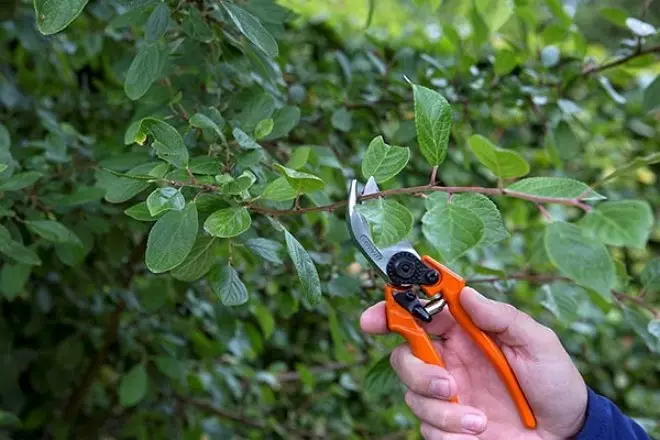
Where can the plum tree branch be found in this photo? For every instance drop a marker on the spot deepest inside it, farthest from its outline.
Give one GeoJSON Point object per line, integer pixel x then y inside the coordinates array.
{"type": "Point", "coordinates": [622, 60]}
{"type": "Point", "coordinates": [533, 278]}
{"type": "Point", "coordinates": [576, 202]}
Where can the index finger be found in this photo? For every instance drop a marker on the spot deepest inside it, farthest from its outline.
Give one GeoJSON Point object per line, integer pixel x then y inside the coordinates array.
{"type": "Point", "coordinates": [373, 321]}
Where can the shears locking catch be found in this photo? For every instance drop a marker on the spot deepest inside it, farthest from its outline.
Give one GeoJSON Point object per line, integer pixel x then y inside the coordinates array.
{"type": "Point", "coordinates": [403, 269]}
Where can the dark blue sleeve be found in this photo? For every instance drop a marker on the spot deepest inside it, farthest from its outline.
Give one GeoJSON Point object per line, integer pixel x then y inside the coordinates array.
{"type": "Point", "coordinates": [605, 421]}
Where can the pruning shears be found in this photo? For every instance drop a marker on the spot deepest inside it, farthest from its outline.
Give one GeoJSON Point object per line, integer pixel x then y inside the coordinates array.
{"type": "Point", "coordinates": [403, 270]}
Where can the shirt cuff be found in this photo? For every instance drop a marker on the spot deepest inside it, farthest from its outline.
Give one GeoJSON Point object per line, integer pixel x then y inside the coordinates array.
{"type": "Point", "coordinates": [597, 420]}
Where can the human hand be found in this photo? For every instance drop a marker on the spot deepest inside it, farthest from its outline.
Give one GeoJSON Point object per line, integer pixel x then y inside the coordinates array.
{"type": "Point", "coordinates": [552, 384]}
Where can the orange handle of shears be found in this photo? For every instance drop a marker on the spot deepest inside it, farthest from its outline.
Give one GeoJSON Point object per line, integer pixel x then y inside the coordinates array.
{"type": "Point", "coordinates": [450, 286]}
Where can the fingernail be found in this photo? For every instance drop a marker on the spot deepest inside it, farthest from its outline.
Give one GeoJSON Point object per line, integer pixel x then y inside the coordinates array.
{"type": "Point", "coordinates": [473, 423]}
{"type": "Point", "coordinates": [440, 388]}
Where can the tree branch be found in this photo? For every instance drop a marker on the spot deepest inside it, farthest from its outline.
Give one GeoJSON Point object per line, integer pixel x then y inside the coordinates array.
{"type": "Point", "coordinates": [619, 296]}
{"type": "Point", "coordinates": [576, 202]}
{"type": "Point", "coordinates": [294, 376]}
{"type": "Point", "coordinates": [221, 412]}
{"type": "Point", "coordinates": [638, 53]}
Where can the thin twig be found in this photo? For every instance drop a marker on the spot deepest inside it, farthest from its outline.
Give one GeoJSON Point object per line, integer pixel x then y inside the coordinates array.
{"type": "Point", "coordinates": [221, 412]}
{"type": "Point", "coordinates": [294, 376]}
{"type": "Point", "coordinates": [619, 296]}
{"type": "Point", "coordinates": [638, 53]}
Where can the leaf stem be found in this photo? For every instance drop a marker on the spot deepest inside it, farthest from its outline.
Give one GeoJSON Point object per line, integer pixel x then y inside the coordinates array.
{"type": "Point", "coordinates": [434, 176]}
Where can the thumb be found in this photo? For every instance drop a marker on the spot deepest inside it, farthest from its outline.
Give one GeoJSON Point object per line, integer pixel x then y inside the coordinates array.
{"type": "Point", "coordinates": [508, 324]}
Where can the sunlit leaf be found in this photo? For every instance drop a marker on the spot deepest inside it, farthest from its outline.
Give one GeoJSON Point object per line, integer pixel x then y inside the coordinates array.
{"type": "Point", "coordinates": [433, 124]}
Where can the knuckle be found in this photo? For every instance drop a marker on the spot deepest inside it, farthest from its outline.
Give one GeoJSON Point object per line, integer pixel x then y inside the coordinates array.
{"type": "Point", "coordinates": [428, 432]}
{"type": "Point", "coordinates": [410, 399]}
{"type": "Point", "coordinates": [395, 358]}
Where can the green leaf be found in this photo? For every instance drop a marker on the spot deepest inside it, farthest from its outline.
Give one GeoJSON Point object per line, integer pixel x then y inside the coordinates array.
{"type": "Point", "coordinates": [650, 276]}
{"type": "Point", "coordinates": [15, 250]}
{"type": "Point", "coordinates": [81, 195]}
{"type": "Point", "coordinates": [279, 190]}
{"type": "Point", "coordinates": [171, 239]}
{"type": "Point", "coordinates": [640, 323]}
{"type": "Point", "coordinates": [562, 301]}
{"type": "Point", "coordinates": [453, 230]}
{"type": "Point", "coordinates": [557, 187]}
{"type": "Point", "coordinates": [198, 262]}
{"type": "Point", "coordinates": [205, 165]}
{"type": "Point", "coordinates": [390, 221]}
{"type": "Point", "coordinates": [284, 120]}
{"type": "Point", "coordinates": [620, 223]}
{"type": "Point", "coordinates": [652, 97]}
{"type": "Point", "coordinates": [383, 161]}
{"type": "Point", "coordinates": [615, 15]}
{"type": "Point", "coordinates": [20, 181]}
{"type": "Point", "coordinates": [53, 16]}
{"type": "Point", "coordinates": [267, 249]}
{"type": "Point", "coordinates": [168, 143]}
{"type": "Point", "coordinates": [299, 157]}
{"type": "Point", "coordinates": [238, 185]}
{"type": "Point", "coordinates": [251, 27]}
{"type": "Point", "coordinates": [580, 258]}
{"type": "Point", "coordinates": [486, 210]}
{"type": "Point", "coordinates": [340, 349]}
{"type": "Point", "coordinates": [170, 367]}
{"type": "Point", "coordinates": [143, 71]}
{"type": "Point", "coordinates": [263, 128]}
{"type": "Point", "coordinates": [640, 28]}
{"type": "Point", "coordinates": [121, 189]}
{"type": "Point", "coordinates": [505, 164]}
{"type": "Point", "coordinates": [52, 231]}
{"type": "Point", "coordinates": [505, 61]}
{"type": "Point", "coordinates": [607, 85]}
{"type": "Point", "coordinates": [200, 120]}
{"type": "Point", "coordinates": [433, 124]}
{"type": "Point", "coordinates": [495, 12]}
{"type": "Point", "coordinates": [307, 274]}
{"type": "Point", "coordinates": [244, 140]}
{"type": "Point", "coordinates": [9, 420]}
{"type": "Point", "coordinates": [228, 286]}
{"type": "Point", "coordinates": [299, 181]}
{"type": "Point", "coordinates": [140, 212]}
{"type": "Point", "coordinates": [133, 386]}
{"type": "Point", "coordinates": [228, 222]}
{"type": "Point", "coordinates": [13, 278]}
{"type": "Point", "coordinates": [381, 380]}
{"type": "Point", "coordinates": [631, 166]}
{"type": "Point", "coordinates": [557, 8]}
{"type": "Point", "coordinates": [158, 22]}
{"type": "Point", "coordinates": [342, 120]}
{"type": "Point", "coordinates": [195, 26]}
{"type": "Point", "coordinates": [163, 199]}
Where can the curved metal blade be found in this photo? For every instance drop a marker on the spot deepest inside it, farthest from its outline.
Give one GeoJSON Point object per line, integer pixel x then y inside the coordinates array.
{"type": "Point", "coordinates": [361, 233]}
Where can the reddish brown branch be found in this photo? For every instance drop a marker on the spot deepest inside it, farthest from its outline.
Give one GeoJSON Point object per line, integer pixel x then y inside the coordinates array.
{"type": "Point", "coordinates": [422, 189]}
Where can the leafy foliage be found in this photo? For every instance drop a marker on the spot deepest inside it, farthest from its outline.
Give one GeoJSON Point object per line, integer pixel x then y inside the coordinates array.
{"type": "Point", "coordinates": [175, 259]}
